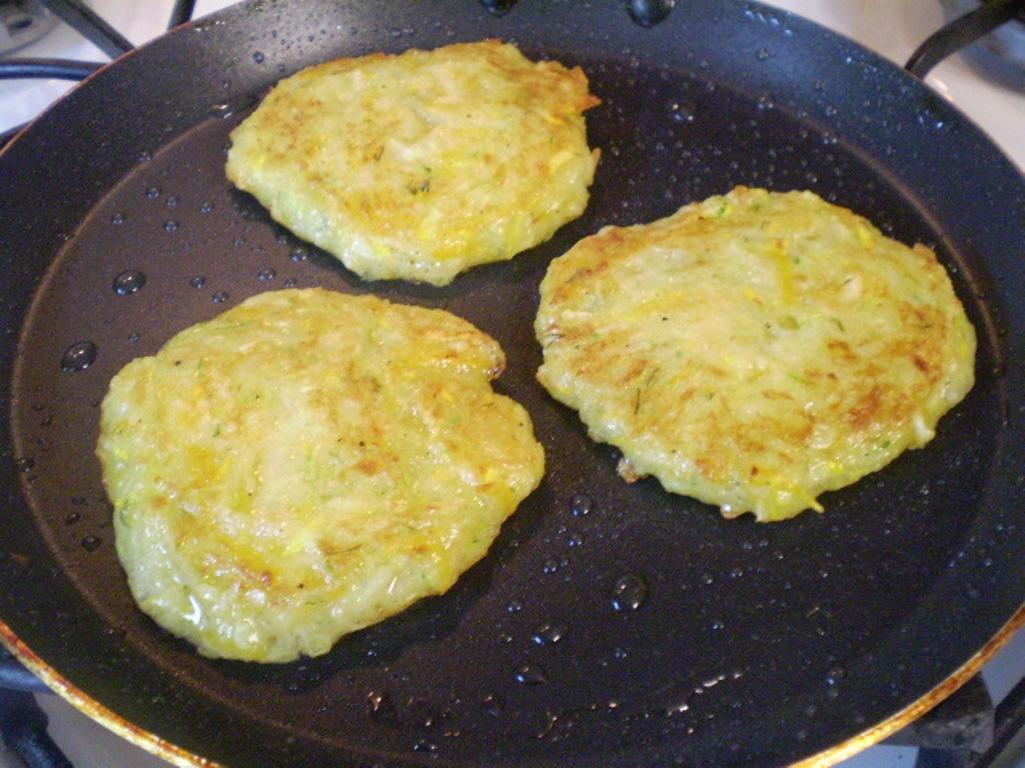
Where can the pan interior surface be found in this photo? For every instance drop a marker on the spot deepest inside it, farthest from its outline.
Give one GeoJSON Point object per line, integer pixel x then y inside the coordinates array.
{"type": "Point", "coordinates": [611, 624]}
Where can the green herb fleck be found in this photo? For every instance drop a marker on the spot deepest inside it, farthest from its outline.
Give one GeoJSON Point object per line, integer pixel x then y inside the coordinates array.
{"type": "Point", "coordinates": [419, 188]}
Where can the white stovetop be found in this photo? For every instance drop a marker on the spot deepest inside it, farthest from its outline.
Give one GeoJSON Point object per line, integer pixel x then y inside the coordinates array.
{"type": "Point", "coordinates": [892, 28]}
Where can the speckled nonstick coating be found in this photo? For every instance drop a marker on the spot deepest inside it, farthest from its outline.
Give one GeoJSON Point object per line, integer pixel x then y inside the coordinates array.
{"type": "Point", "coordinates": [750, 644]}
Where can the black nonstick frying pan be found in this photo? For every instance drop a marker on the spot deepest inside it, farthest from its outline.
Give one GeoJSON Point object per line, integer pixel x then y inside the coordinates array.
{"type": "Point", "coordinates": [611, 625]}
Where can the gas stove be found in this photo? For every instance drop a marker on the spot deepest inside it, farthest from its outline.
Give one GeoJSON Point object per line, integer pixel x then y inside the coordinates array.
{"type": "Point", "coordinates": [989, 92]}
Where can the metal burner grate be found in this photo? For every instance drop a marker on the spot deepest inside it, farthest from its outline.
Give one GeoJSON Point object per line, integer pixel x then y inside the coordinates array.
{"type": "Point", "coordinates": [83, 20]}
{"type": "Point", "coordinates": [22, 23]}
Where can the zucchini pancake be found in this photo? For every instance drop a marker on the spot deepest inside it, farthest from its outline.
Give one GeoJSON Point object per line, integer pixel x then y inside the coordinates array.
{"type": "Point", "coordinates": [421, 165]}
{"type": "Point", "coordinates": [306, 464]}
{"type": "Point", "coordinates": [755, 349]}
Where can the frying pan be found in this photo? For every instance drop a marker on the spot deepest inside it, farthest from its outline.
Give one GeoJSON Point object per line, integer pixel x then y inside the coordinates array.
{"type": "Point", "coordinates": [734, 643]}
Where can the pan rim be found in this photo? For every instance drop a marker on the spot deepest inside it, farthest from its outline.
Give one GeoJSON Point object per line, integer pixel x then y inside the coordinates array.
{"type": "Point", "coordinates": [95, 710]}
{"type": "Point", "coordinates": [183, 758]}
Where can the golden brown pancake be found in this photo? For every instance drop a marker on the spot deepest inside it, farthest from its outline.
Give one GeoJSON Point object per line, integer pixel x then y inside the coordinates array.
{"type": "Point", "coordinates": [755, 349]}
{"type": "Point", "coordinates": [421, 165]}
{"type": "Point", "coordinates": [306, 464]}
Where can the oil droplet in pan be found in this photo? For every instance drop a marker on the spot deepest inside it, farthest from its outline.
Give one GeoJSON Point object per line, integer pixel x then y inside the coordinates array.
{"type": "Point", "coordinates": [422, 713]}
{"type": "Point", "coordinates": [580, 505]}
{"type": "Point", "coordinates": [78, 356]}
{"type": "Point", "coordinates": [493, 705]}
{"type": "Point", "coordinates": [682, 112]}
{"type": "Point", "coordinates": [530, 674]}
{"type": "Point", "coordinates": [228, 108]}
{"type": "Point", "coordinates": [25, 465]}
{"type": "Point", "coordinates": [381, 707]}
{"type": "Point", "coordinates": [129, 282]}
{"type": "Point", "coordinates": [629, 593]}
{"type": "Point", "coordinates": [498, 7]}
{"type": "Point", "coordinates": [835, 675]}
{"type": "Point", "coordinates": [549, 633]}
{"type": "Point", "coordinates": [648, 13]}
